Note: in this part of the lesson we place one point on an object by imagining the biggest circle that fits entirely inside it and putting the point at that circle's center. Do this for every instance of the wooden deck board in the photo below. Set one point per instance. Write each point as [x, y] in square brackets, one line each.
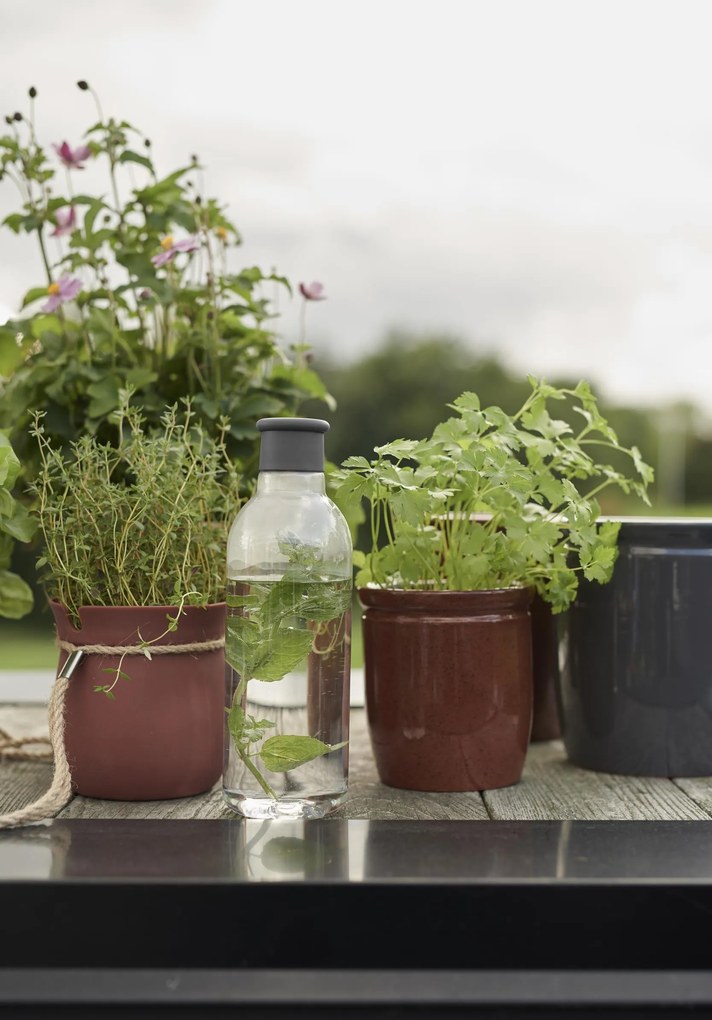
[551, 789]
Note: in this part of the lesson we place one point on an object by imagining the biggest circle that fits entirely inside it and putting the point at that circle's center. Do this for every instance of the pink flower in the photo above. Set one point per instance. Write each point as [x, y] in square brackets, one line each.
[312, 291]
[171, 248]
[74, 159]
[66, 221]
[65, 289]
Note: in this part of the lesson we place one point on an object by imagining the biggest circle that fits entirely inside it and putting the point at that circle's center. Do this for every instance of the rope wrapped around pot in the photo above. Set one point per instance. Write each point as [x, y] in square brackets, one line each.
[60, 792]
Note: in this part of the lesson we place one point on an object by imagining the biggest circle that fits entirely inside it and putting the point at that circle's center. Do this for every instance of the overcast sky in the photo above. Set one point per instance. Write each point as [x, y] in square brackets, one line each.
[534, 176]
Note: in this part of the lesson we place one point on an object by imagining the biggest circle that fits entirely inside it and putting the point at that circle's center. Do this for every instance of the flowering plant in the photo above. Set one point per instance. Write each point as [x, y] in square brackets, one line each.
[137, 294]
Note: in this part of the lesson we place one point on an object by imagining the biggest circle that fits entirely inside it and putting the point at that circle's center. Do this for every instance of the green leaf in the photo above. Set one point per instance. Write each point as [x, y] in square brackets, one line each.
[283, 654]
[357, 463]
[104, 397]
[7, 504]
[21, 526]
[9, 464]
[137, 378]
[14, 221]
[264, 654]
[34, 294]
[282, 754]
[127, 156]
[95, 207]
[11, 354]
[399, 449]
[16, 598]
[308, 600]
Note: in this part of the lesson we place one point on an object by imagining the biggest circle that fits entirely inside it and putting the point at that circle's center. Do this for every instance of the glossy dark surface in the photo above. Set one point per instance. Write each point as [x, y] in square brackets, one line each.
[636, 684]
[357, 852]
[351, 895]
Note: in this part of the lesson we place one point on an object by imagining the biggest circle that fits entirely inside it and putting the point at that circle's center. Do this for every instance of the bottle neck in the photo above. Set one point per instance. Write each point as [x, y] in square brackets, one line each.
[291, 481]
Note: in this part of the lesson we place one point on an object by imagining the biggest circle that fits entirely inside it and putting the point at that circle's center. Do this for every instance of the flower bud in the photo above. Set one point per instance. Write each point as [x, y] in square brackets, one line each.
[8, 120]
[17, 116]
[147, 142]
[83, 85]
[32, 92]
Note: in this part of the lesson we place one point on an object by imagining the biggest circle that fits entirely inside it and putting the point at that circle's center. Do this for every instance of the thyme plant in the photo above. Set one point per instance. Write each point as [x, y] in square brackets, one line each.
[143, 522]
[493, 500]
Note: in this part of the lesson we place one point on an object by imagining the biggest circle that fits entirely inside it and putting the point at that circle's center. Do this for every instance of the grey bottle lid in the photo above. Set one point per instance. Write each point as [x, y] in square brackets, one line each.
[292, 444]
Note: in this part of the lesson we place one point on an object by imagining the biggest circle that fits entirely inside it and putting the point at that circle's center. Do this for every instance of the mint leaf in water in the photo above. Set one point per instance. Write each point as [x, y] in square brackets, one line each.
[283, 654]
[282, 754]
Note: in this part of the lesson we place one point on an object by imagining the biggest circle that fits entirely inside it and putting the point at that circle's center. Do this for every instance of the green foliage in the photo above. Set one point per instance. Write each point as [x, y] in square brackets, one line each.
[282, 754]
[192, 327]
[492, 500]
[140, 523]
[15, 525]
[264, 641]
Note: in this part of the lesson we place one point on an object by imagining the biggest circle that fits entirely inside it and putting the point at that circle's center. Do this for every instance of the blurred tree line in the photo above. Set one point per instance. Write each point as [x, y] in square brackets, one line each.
[401, 391]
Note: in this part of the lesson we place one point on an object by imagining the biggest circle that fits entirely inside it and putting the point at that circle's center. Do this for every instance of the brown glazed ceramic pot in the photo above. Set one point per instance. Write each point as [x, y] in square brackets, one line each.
[448, 686]
[545, 660]
[162, 734]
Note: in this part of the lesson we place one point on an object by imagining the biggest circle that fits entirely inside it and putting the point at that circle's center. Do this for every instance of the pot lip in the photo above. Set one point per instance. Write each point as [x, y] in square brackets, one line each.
[664, 532]
[136, 609]
[514, 597]
[96, 619]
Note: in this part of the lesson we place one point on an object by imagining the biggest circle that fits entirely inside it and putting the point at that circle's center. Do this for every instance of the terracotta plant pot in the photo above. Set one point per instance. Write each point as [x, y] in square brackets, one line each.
[161, 736]
[448, 686]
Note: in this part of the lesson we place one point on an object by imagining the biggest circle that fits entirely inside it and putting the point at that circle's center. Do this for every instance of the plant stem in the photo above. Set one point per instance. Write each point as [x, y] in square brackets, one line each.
[245, 759]
[43, 250]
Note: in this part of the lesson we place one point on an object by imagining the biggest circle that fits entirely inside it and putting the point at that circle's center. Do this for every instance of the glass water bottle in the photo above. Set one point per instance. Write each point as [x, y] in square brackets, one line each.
[287, 648]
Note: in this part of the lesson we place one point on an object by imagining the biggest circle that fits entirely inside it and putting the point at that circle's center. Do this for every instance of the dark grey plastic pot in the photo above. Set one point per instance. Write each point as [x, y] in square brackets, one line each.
[636, 678]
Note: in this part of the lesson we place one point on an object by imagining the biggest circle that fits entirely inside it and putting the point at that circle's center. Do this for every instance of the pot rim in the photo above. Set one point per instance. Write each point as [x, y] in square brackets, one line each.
[118, 624]
[134, 609]
[517, 597]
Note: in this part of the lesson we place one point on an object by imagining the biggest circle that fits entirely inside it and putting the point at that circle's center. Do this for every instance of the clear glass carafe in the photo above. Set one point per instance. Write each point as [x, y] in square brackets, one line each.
[288, 635]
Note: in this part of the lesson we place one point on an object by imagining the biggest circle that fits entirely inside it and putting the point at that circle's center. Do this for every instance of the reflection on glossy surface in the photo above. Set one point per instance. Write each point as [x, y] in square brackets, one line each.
[264, 851]
[338, 851]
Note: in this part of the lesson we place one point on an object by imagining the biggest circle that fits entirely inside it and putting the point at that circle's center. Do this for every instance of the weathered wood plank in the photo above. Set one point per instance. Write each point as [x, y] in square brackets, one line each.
[22, 783]
[698, 789]
[553, 789]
